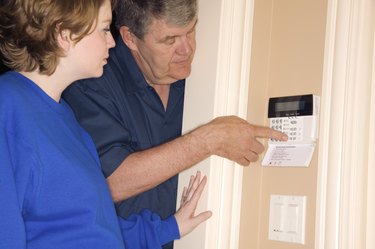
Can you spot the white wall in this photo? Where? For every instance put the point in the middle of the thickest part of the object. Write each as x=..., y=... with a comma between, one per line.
x=218, y=86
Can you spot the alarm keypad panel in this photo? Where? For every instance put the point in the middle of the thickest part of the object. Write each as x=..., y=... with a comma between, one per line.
x=291, y=126
x=297, y=117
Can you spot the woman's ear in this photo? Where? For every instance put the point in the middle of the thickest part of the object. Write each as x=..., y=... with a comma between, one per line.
x=63, y=38
x=128, y=38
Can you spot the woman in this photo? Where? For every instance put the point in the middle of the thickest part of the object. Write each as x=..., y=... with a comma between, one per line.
x=53, y=194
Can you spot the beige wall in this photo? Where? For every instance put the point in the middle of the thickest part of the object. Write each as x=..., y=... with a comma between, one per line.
x=287, y=59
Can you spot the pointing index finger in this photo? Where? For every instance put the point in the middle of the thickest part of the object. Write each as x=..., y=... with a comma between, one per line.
x=266, y=132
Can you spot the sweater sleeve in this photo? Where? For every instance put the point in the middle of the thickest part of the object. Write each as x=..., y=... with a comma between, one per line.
x=147, y=230
x=12, y=227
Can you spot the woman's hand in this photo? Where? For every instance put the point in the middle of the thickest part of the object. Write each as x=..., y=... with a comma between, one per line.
x=185, y=216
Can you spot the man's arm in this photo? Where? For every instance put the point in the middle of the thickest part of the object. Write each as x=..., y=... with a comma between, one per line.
x=230, y=137
x=130, y=173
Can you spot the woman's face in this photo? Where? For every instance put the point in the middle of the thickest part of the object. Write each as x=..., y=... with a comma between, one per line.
x=91, y=53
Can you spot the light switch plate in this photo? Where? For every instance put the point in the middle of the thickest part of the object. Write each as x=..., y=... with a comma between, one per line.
x=287, y=218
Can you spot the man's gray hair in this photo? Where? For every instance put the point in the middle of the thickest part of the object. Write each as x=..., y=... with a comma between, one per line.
x=137, y=15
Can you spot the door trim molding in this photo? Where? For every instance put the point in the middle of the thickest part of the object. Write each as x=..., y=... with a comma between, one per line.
x=345, y=147
x=219, y=81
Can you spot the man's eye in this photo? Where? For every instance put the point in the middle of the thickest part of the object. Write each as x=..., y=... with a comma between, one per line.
x=170, y=41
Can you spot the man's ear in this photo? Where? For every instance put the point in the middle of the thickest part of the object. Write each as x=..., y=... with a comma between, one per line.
x=63, y=38
x=128, y=38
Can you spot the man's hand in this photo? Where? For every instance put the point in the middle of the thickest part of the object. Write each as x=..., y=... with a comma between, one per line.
x=185, y=216
x=236, y=139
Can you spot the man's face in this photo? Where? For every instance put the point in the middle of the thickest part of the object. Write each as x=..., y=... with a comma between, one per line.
x=166, y=52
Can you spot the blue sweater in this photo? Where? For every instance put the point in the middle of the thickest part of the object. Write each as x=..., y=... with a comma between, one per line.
x=52, y=192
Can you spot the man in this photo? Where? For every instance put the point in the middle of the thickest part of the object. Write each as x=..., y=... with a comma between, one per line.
x=134, y=112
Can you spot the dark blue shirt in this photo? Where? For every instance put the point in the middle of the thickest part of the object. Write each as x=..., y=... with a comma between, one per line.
x=124, y=114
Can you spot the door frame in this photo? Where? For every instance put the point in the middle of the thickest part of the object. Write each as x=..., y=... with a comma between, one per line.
x=346, y=171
